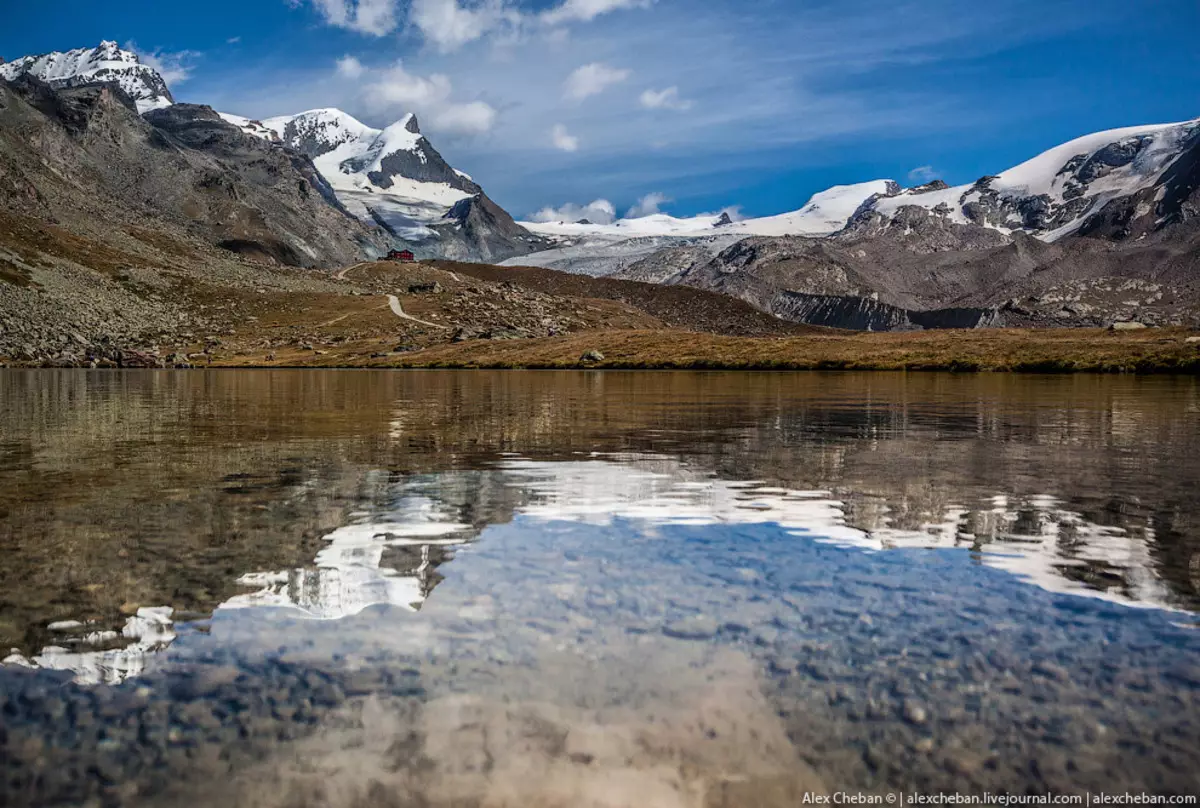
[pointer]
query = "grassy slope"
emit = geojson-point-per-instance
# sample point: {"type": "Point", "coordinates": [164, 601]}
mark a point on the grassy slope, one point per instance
{"type": "Point", "coordinates": [1149, 351]}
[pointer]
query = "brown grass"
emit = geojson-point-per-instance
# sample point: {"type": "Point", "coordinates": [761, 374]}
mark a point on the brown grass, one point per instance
{"type": "Point", "coordinates": [680, 307]}
{"type": "Point", "coordinates": [1028, 350]}
{"type": "Point", "coordinates": [32, 239]}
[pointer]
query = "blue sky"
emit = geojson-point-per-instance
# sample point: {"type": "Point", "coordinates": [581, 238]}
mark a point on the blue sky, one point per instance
{"type": "Point", "coordinates": [704, 103]}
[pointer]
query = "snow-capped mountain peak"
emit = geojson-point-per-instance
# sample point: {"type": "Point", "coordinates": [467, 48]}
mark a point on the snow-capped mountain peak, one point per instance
{"type": "Point", "coordinates": [107, 62]}
{"type": "Point", "coordinates": [1056, 193]}
{"type": "Point", "coordinates": [391, 176]}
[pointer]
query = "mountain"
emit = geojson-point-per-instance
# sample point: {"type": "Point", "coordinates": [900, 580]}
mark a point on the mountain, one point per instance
{"type": "Point", "coordinates": [392, 179]}
{"type": "Point", "coordinates": [118, 230]}
{"type": "Point", "coordinates": [83, 156]}
{"type": "Point", "coordinates": [826, 212]}
{"type": "Point", "coordinates": [1123, 182]}
{"type": "Point", "coordinates": [105, 63]}
{"type": "Point", "coordinates": [395, 178]}
{"type": "Point", "coordinates": [1103, 228]}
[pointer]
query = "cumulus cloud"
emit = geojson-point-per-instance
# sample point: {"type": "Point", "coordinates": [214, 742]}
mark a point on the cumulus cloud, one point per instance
{"type": "Point", "coordinates": [600, 211]}
{"type": "Point", "coordinates": [472, 118]}
{"type": "Point", "coordinates": [563, 139]}
{"type": "Point", "coordinates": [587, 10]}
{"type": "Point", "coordinates": [648, 205]}
{"type": "Point", "coordinates": [373, 17]}
{"type": "Point", "coordinates": [449, 25]}
{"type": "Point", "coordinates": [350, 68]}
{"type": "Point", "coordinates": [394, 90]}
{"type": "Point", "coordinates": [664, 99]}
{"type": "Point", "coordinates": [175, 68]}
{"type": "Point", "coordinates": [592, 79]}
{"type": "Point", "coordinates": [924, 174]}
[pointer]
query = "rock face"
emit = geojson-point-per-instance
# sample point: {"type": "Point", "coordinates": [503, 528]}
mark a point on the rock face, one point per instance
{"type": "Point", "coordinates": [867, 314]}
{"type": "Point", "coordinates": [181, 166]}
{"type": "Point", "coordinates": [106, 63]}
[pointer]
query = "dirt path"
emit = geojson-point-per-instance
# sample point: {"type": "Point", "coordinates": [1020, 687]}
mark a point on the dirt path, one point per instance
{"type": "Point", "coordinates": [341, 275]}
{"type": "Point", "coordinates": [393, 301]}
{"type": "Point", "coordinates": [399, 311]}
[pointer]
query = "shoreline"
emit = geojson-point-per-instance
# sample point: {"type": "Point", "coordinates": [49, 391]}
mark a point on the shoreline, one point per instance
{"type": "Point", "coordinates": [1096, 351]}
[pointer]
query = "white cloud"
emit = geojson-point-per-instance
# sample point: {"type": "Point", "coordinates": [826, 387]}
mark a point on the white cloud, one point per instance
{"type": "Point", "coordinates": [395, 91]}
{"type": "Point", "coordinates": [648, 205]}
{"type": "Point", "coordinates": [592, 79]}
{"type": "Point", "coordinates": [233, 40]}
{"type": "Point", "coordinates": [924, 174]}
{"type": "Point", "coordinates": [374, 17]}
{"type": "Point", "coordinates": [664, 99]}
{"type": "Point", "coordinates": [175, 68]}
{"type": "Point", "coordinates": [563, 139]}
{"type": "Point", "coordinates": [600, 211]}
{"type": "Point", "coordinates": [350, 68]}
{"type": "Point", "coordinates": [450, 25]}
{"type": "Point", "coordinates": [472, 118]}
{"type": "Point", "coordinates": [587, 10]}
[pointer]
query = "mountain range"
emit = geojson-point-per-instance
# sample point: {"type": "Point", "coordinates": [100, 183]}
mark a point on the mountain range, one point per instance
{"type": "Point", "coordinates": [1099, 229]}
{"type": "Point", "coordinates": [392, 180]}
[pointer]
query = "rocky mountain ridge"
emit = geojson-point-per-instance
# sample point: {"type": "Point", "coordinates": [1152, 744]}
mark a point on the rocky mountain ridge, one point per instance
{"type": "Point", "coordinates": [1102, 229]}
{"type": "Point", "coordinates": [392, 180]}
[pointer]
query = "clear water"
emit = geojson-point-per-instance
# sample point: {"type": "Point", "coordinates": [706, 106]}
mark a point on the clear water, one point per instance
{"type": "Point", "coordinates": [646, 589]}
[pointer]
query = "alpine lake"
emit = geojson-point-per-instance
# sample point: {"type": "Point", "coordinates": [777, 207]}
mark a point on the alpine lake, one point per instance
{"type": "Point", "coordinates": [518, 588]}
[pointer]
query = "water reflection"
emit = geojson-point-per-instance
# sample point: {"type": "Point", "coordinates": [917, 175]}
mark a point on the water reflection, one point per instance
{"type": "Point", "coordinates": [101, 656]}
{"type": "Point", "coordinates": [902, 581]}
{"type": "Point", "coordinates": [391, 556]}
{"type": "Point", "coordinates": [350, 573]}
{"type": "Point", "coordinates": [330, 492]}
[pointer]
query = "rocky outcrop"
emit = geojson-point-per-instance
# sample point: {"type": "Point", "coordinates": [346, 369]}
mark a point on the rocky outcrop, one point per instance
{"type": "Point", "coordinates": [477, 228]}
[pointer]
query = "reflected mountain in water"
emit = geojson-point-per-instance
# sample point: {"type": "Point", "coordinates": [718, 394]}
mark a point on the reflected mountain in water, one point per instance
{"type": "Point", "coordinates": [350, 573]}
{"type": "Point", "coordinates": [327, 493]}
{"type": "Point", "coordinates": [102, 656]}
{"type": "Point", "coordinates": [1033, 537]}
{"type": "Point", "coordinates": [392, 557]}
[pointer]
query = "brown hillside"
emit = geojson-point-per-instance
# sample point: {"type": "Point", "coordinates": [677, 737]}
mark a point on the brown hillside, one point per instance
{"type": "Point", "coordinates": [679, 307]}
